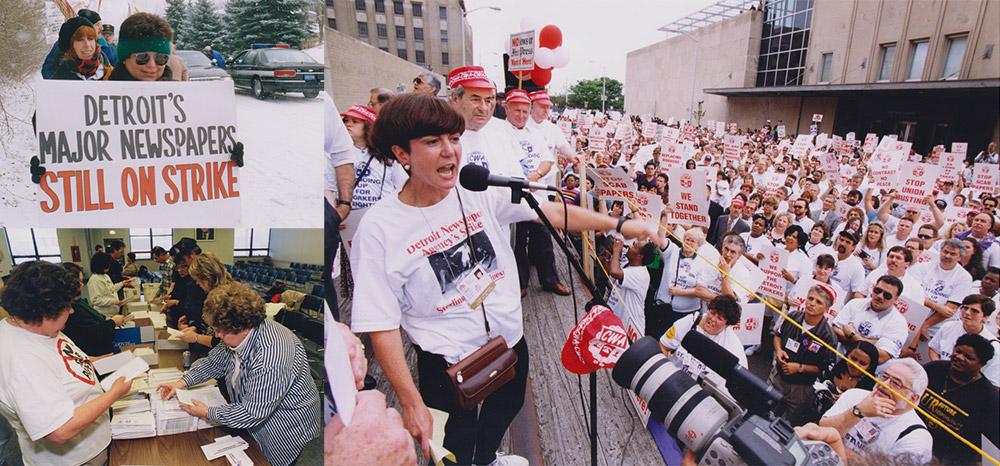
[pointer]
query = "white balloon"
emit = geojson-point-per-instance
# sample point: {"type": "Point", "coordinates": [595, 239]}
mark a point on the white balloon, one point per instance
{"type": "Point", "coordinates": [561, 57]}
{"type": "Point", "coordinates": [544, 58]}
{"type": "Point", "coordinates": [528, 24]}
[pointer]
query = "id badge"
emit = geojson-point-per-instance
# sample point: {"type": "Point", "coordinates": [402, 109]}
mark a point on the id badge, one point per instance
{"type": "Point", "coordinates": [476, 286]}
{"type": "Point", "coordinates": [792, 346]}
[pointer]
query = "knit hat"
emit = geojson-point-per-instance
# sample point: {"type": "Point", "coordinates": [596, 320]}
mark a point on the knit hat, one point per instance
{"type": "Point", "coordinates": [131, 41]}
{"type": "Point", "coordinates": [69, 28]}
{"type": "Point", "coordinates": [89, 15]}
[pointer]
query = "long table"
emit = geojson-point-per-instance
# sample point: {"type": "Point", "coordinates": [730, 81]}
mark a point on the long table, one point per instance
{"type": "Point", "coordinates": [178, 449]}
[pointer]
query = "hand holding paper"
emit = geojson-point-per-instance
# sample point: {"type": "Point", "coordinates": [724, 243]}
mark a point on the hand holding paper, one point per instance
{"type": "Point", "coordinates": [129, 371]}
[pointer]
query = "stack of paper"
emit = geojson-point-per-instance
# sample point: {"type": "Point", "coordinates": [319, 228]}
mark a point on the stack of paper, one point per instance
{"type": "Point", "coordinates": [130, 370]}
{"type": "Point", "coordinates": [170, 418]}
{"type": "Point", "coordinates": [132, 418]}
{"type": "Point", "coordinates": [210, 396]}
{"type": "Point", "coordinates": [230, 447]}
{"type": "Point", "coordinates": [148, 355]}
{"type": "Point", "coordinates": [175, 335]}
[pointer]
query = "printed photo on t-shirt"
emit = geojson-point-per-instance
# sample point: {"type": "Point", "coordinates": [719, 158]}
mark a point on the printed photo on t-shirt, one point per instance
{"type": "Point", "coordinates": [453, 264]}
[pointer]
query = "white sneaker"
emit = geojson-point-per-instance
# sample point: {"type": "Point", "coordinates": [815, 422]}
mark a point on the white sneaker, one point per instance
{"type": "Point", "coordinates": [509, 460]}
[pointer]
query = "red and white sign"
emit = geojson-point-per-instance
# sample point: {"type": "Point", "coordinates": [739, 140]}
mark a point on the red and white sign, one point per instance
{"type": "Point", "coordinates": [649, 129]}
{"type": "Point", "coordinates": [985, 178]}
{"type": "Point", "coordinates": [775, 260]}
{"type": "Point", "coordinates": [915, 314]}
{"type": "Point", "coordinates": [802, 143]}
{"type": "Point", "coordinates": [884, 164]}
{"type": "Point", "coordinates": [598, 139]}
{"type": "Point", "coordinates": [612, 183]}
{"type": "Point", "coordinates": [773, 181]}
{"type": "Point", "coordinates": [960, 148]}
{"type": "Point", "coordinates": [951, 165]}
{"type": "Point", "coordinates": [720, 128]}
{"type": "Point", "coordinates": [671, 134]}
{"type": "Point", "coordinates": [751, 324]}
{"type": "Point", "coordinates": [733, 143]}
{"type": "Point", "coordinates": [871, 141]}
{"type": "Point", "coordinates": [522, 51]}
{"type": "Point", "coordinates": [953, 215]}
{"type": "Point", "coordinates": [916, 182]}
{"type": "Point", "coordinates": [688, 197]}
{"type": "Point", "coordinates": [648, 206]}
{"type": "Point", "coordinates": [671, 155]}
{"type": "Point", "coordinates": [829, 162]}
{"type": "Point", "coordinates": [566, 127]}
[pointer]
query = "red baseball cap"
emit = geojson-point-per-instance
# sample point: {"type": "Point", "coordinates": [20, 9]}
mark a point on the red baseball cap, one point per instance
{"type": "Point", "coordinates": [597, 341]}
{"type": "Point", "coordinates": [361, 112]}
{"type": "Point", "coordinates": [540, 96]}
{"type": "Point", "coordinates": [517, 96]}
{"type": "Point", "coordinates": [469, 76]}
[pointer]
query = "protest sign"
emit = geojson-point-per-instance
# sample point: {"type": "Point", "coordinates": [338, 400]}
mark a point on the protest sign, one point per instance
{"type": "Point", "coordinates": [746, 274]}
{"type": "Point", "coordinates": [649, 129]}
{"type": "Point", "coordinates": [647, 206]}
{"type": "Point", "coordinates": [711, 173]}
{"type": "Point", "coordinates": [671, 155]}
{"type": "Point", "coordinates": [950, 163]}
{"type": "Point", "coordinates": [732, 146]}
{"type": "Point", "coordinates": [775, 260]}
{"type": "Point", "coordinates": [822, 140]}
{"type": "Point", "coordinates": [916, 182]}
{"type": "Point", "coordinates": [566, 127]}
{"type": "Point", "coordinates": [671, 134]}
{"type": "Point", "coordinates": [829, 162]}
{"type": "Point", "coordinates": [720, 128]}
{"type": "Point", "coordinates": [149, 154]}
{"type": "Point", "coordinates": [522, 51]}
{"type": "Point", "coordinates": [871, 140]}
{"type": "Point", "coordinates": [612, 183]}
{"type": "Point", "coordinates": [802, 143]}
{"type": "Point", "coordinates": [985, 178]}
{"type": "Point", "coordinates": [915, 314]}
{"type": "Point", "coordinates": [953, 214]}
{"type": "Point", "coordinates": [751, 324]}
{"type": "Point", "coordinates": [773, 181]}
{"type": "Point", "coordinates": [688, 197]}
{"type": "Point", "coordinates": [960, 148]}
{"type": "Point", "coordinates": [780, 130]}
{"type": "Point", "coordinates": [598, 139]}
{"type": "Point", "coordinates": [884, 164]}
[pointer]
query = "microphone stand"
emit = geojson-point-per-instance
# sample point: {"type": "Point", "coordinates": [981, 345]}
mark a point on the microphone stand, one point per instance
{"type": "Point", "coordinates": [516, 194]}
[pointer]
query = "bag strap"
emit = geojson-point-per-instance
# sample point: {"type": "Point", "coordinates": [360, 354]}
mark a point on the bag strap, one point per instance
{"type": "Point", "coordinates": [472, 253]}
{"type": "Point", "coordinates": [360, 175]}
{"type": "Point", "coordinates": [909, 430]}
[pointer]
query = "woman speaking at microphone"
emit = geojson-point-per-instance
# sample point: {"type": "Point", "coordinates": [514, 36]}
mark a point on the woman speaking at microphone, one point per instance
{"type": "Point", "coordinates": [434, 260]}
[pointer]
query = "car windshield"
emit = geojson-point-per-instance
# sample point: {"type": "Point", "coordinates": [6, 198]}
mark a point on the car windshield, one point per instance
{"type": "Point", "coordinates": [194, 59]}
{"type": "Point", "coordinates": [276, 56]}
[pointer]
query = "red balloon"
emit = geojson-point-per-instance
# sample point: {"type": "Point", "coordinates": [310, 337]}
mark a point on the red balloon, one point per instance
{"type": "Point", "coordinates": [541, 77]}
{"type": "Point", "coordinates": [550, 37]}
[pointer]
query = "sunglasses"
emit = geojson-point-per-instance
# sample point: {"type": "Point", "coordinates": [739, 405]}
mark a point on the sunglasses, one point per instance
{"type": "Point", "coordinates": [885, 294]}
{"type": "Point", "coordinates": [418, 81]}
{"type": "Point", "coordinates": [142, 58]}
{"type": "Point", "coordinates": [924, 237]}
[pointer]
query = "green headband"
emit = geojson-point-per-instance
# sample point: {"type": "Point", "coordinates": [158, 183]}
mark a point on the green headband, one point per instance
{"type": "Point", "coordinates": [128, 46]}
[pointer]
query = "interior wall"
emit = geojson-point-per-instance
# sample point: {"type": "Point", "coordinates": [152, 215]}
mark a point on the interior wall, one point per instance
{"type": "Point", "coordinates": [296, 245]}
{"type": "Point", "coordinates": [222, 246]}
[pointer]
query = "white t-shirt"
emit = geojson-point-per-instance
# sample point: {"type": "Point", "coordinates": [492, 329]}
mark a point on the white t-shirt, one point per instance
{"type": "Point", "coordinates": [408, 263]}
{"type": "Point", "coordinates": [943, 342]}
{"type": "Point", "coordinates": [534, 152]}
{"type": "Point", "coordinates": [941, 286]}
{"type": "Point", "coordinates": [632, 288]}
{"type": "Point", "coordinates": [849, 274]}
{"type": "Point", "coordinates": [337, 143]}
{"type": "Point", "coordinates": [378, 180]}
{"type": "Point", "coordinates": [881, 435]}
{"type": "Point", "coordinates": [806, 223]}
{"type": "Point", "coordinates": [494, 148]}
{"type": "Point", "coordinates": [912, 289]}
{"type": "Point", "coordinates": [798, 265]}
{"type": "Point", "coordinates": [680, 272]}
{"type": "Point", "coordinates": [44, 380]}
{"type": "Point", "coordinates": [888, 327]}
{"type": "Point", "coordinates": [727, 338]}
{"type": "Point", "coordinates": [756, 245]}
{"type": "Point", "coordinates": [816, 250]}
{"type": "Point", "coordinates": [554, 137]}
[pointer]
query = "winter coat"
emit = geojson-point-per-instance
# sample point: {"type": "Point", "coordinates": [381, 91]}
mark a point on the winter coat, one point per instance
{"type": "Point", "coordinates": [67, 70]}
{"type": "Point", "coordinates": [220, 61]}
{"type": "Point", "coordinates": [53, 59]}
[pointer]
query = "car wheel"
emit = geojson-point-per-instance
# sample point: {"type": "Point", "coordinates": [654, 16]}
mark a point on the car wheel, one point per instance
{"type": "Point", "coordinates": [310, 94]}
{"type": "Point", "coordinates": [258, 88]}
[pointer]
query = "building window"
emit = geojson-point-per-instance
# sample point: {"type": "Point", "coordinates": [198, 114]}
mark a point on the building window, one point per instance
{"type": "Point", "coordinates": [784, 41]}
{"type": "Point", "coordinates": [418, 9]}
{"type": "Point", "coordinates": [382, 31]}
{"type": "Point", "coordinates": [331, 23]}
{"type": "Point", "coordinates": [397, 7]}
{"type": "Point", "coordinates": [359, 5]}
{"type": "Point", "coordinates": [362, 30]}
{"type": "Point", "coordinates": [251, 242]}
{"type": "Point", "coordinates": [420, 56]}
{"type": "Point", "coordinates": [400, 32]}
{"type": "Point", "coordinates": [401, 52]}
{"type": "Point", "coordinates": [442, 12]}
{"type": "Point", "coordinates": [826, 68]}
{"type": "Point", "coordinates": [444, 36]}
{"type": "Point", "coordinates": [444, 58]}
{"type": "Point", "coordinates": [143, 240]}
{"type": "Point", "coordinates": [33, 244]}
{"type": "Point", "coordinates": [380, 6]}
{"type": "Point", "coordinates": [953, 60]}
{"type": "Point", "coordinates": [918, 55]}
{"type": "Point", "coordinates": [888, 56]}
{"type": "Point", "coordinates": [418, 33]}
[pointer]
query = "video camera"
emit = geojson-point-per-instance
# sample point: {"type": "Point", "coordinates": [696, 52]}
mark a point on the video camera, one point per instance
{"type": "Point", "coordinates": [705, 418]}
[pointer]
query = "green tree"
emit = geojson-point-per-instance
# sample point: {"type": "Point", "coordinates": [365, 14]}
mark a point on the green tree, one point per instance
{"type": "Point", "coordinates": [204, 26]}
{"type": "Point", "coordinates": [177, 16]}
{"type": "Point", "coordinates": [267, 21]}
{"type": "Point", "coordinates": [587, 94]}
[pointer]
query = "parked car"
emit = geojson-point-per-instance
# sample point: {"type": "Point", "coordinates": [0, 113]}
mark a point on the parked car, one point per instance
{"type": "Point", "coordinates": [278, 69]}
{"type": "Point", "coordinates": [200, 68]}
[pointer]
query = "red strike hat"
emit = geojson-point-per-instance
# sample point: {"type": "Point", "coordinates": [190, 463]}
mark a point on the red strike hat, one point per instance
{"type": "Point", "coordinates": [517, 96]}
{"type": "Point", "coordinates": [597, 341]}
{"type": "Point", "coordinates": [469, 76]}
{"type": "Point", "coordinates": [361, 112]}
{"type": "Point", "coordinates": [540, 96]}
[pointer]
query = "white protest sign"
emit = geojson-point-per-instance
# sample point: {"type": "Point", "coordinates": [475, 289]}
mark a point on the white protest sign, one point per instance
{"type": "Point", "coordinates": [780, 130]}
{"type": "Point", "coordinates": [751, 324]}
{"type": "Point", "coordinates": [151, 154]}
{"type": "Point", "coordinates": [916, 182]}
{"type": "Point", "coordinates": [950, 163]}
{"type": "Point", "coordinates": [598, 139]}
{"type": "Point", "coordinates": [953, 215]}
{"type": "Point", "coordinates": [915, 314]}
{"type": "Point", "coordinates": [648, 129]}
{"type": "Point", "coordinates": [612, 183]}
{"type": "Point", "coordinates": [773, 181]}
{"type": "Point", "coordinates": [720, 128]}
{"type": "Point", "coordinates": [522, 51]}
{"type": "Point", "coordinates": [985, 178]}
{"type": "Point", "coordinates": [732, 146]}
{"type": "Point", "coordinates": [775, 260]}
{"type": "Point", "coordinates": [884, 164]}
{"type": "Point", "coordinates": [802, 143]}
{"type": "Point", "coordinates": [671, 134]}
{"type": "Point", "coordinates": [671, 155]}
{"type": "Point", "coordinates": [648, 206]}
{"type": "Point", "coordinates": [817, 118]}
{"type": "Point", "coordinates": [871, 140]}
{"type": "Point", "coordinates": [566, 127]}
{"type": "Point", "coordinates": [960, 148]}
{"type": "Point", "coordinates": [822, 140]}
{"type": "Point", "coordinates": [688, 197]}
{"type": "Point", "coordinates": [744, 272]}
{"type": "Point", "coordinates": [711, 173]}
{"type": "Point", "coordinates": [829, 162]}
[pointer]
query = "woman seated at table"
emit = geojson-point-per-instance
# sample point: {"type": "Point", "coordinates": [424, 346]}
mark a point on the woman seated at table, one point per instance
{"type": "Point", "coordinates": [273, 394]}
{"type": "Point", "coordinates": [93, 332]}
{"type": "Point", "coordinates": [207, 273]}
{"type": "Point", "coordinates": [49, 392]}
{"type": "Point", "coordinates": [104, 292]}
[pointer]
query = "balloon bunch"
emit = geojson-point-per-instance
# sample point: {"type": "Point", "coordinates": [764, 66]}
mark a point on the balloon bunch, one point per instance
{"type": "Point", "coordinates": [549, 53]}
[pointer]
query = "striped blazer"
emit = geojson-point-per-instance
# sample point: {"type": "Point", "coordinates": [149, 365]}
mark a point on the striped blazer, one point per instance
{"type": "Point", "coordinates": [275, 399]}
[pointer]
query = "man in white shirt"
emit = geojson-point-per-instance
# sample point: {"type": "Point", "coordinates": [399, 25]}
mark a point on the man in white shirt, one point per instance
{"type": "Point", "coordinates": [541, 105]}
{"type": "Point", "coordinates": [875, 320]}
{"type": "Point", "coordinates": [945, 284]}
{"type": "Point", "coordinates": [897, 262]}
{"type": "Point", "coordinates": [904, 229]}
{"type": "Point", "coordinates": [485, 142]}
{"type": "Point", "coordinates": [339, 174]}
{"type": "Point", "coordinates": [800, 208]}
{"type": "Point", "coordinates": [849, 273]}
{"type": "Point", "coordinates": [877, 421]}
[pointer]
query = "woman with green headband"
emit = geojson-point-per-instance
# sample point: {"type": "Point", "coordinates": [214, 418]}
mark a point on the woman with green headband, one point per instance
{"type": "Point", "coordinates": [144, 47]}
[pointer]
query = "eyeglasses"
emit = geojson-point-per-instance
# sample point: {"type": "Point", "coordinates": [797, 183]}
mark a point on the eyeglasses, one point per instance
{"type": "Point", "coordinates": [924, 237]}
{"type": "Point", "coordinates": [417, 81]}
{"type": "Point", "coordinates": [142, 58]}
{"type": "Point", "coordinates": [895, 384]}
{"type": "Point", "coordinates": [885, 294]}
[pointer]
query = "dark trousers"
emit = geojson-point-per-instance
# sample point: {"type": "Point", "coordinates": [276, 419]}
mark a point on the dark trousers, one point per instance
{"type": "Point", "coordinates": [473, 436]}
{"type": "Point", "coordinates": [331, 244]}
{"type": "Point", "coordinates": [533, 247]}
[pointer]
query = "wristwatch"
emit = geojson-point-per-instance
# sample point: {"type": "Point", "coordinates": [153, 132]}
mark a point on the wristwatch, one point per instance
{"type": "Point", "coordinates": [857, 412]}
{"type": "Point", "coordinates": [343, 202]}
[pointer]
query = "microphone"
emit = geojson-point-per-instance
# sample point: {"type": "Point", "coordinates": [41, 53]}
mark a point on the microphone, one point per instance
{"type": "Point", "coordinates": [476, 178]}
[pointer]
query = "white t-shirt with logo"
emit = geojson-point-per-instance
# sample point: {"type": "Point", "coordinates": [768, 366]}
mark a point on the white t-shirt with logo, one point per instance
{"type": "Point", "coordinates": [409, 262]}
{"type": "Point", "coordinates": [887, 327]}
{"type": "Point", "coordinates": [375, 180]}
{"type": "Point", "coordinates": [532, 154]}
{"type": "Point", "coordinates": [912, 289]}
{"type": "Point", "coordinates": [727, 338]}
{"type": "Point", "coordinates": [849, 274]}
{"type": "Point", "coordinates": [44, 380]}
{"type": "Point", "coordinates": [941, 286]}
{"type": "Point", "coordinates": [943, 342]}
{"type": "Point", "coordinates": [554, 137]}
{"type": "Point", "coordinates": [629, 299]}
{"type": "Point", "coordinates": [881, 435]}
{"type": "Point", "coordinates": [492, 147]}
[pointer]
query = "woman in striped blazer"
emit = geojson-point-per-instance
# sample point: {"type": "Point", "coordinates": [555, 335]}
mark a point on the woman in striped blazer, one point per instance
{"type": "Point", "coordinates": [272, 394]}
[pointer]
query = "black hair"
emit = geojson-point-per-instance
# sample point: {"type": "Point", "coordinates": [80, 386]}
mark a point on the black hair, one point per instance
{"type": "Point", "coordinates": [727, 307]}
{"type": "Point", "coordinates": [158, 251]}
{"type": "Point", "coordinates": [412, 116]}
{"type": "Point", "coordinates": [796, 230]}
{"type": "Point", "coordinates": [131, 255]}
{"type": "Point", "coordinates": [115, 245]}
{"type": "Point", "coordinates": [826, 261]}
{"type": "Point", "coordinates": [39, 290]}
{"type": "Point", "coordinates": [890, 280]}
{"type": "Point", "coordinates": [907, 254]}
{"type": "Point", "coordinates": [982, 347]}
{"type": "Point", "coordinates": [983, 301]}
{"type": "Point", "coordinates": [101, 262]}
{"type": "Point", "coordinates": [648, 253]}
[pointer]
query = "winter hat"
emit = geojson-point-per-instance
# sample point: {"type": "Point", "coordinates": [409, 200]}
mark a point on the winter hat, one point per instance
{"type": "Point", "coordinates": [144, 32]}
{"type": "Point", "coordinates": [69, 28]}
{"type": "Point", "coordinates": [89, 15]}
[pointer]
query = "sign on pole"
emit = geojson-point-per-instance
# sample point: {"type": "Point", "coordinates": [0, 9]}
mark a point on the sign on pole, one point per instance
{"type": "Point", "coordinates": [522, 51]}
{"type": "Point", "coordinates": [141, 153]}
{"type": "Point", "coordinates": [688, 197]}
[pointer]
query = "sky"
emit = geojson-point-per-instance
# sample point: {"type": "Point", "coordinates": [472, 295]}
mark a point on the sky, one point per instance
{"type": "Point", "coordinates": [597, 33]}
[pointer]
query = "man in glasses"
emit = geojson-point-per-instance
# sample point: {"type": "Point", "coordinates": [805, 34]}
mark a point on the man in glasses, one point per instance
{"type": "Point", "coordinates": [879, 422]}
{"type": "Point", "coordinates": [874, 319]}
{"type": "Point", "coordinates": [426, 83]}
{"type": "Point", "coordinates": [144, 48]}
{"type": "Point", "coordinates": [897, 263]}
{"type": "Point", "coordinates": [800, 208]}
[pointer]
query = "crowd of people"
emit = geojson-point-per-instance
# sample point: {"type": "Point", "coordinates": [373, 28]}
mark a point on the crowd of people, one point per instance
{"type": "Point", "coordinates": [858, 259]}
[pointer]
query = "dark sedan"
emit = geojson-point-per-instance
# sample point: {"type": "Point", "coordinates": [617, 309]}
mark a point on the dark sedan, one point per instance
{"type": "Point", "coordinates": [270, 70]}
{"type": "Point", "coordinates": [200, 68]}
